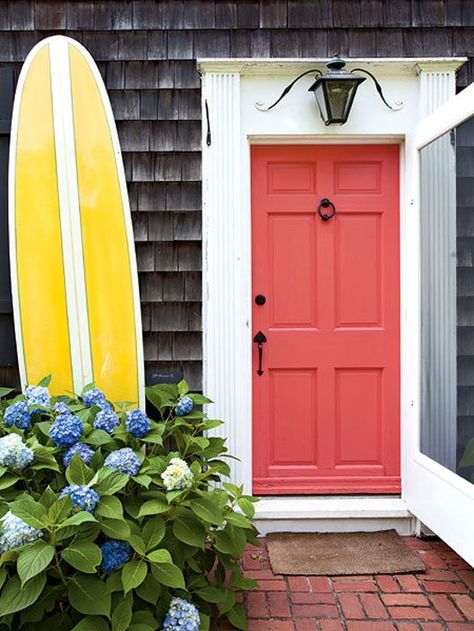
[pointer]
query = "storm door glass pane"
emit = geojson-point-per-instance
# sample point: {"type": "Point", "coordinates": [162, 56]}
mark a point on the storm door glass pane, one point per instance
{"type": "Point", "coordinates": [447, 299]}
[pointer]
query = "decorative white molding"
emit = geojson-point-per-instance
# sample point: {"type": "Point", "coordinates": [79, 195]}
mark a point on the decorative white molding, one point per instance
{"type": "Point", "coordinates": [229, 86]}
{"type": "Point", "coordinates": [437, 85]}
{"type": "Point", "coordinates": [396, 65]}
{"type": "Point", "coordinates": [225, 267]}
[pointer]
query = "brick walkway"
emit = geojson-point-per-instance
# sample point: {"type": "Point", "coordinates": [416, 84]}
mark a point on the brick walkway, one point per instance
{"type": "Point", "coordinates": [440, 599]}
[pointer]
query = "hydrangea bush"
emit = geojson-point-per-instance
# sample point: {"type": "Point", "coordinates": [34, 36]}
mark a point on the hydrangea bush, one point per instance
{"type": "Point", "coordinates": [111, 520]}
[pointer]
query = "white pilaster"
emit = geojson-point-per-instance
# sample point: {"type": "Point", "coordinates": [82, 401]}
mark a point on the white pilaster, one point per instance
{"type": "Point", "coordinates": [226, 273]}
{"type": "Point", "coordinates": [436, 86]}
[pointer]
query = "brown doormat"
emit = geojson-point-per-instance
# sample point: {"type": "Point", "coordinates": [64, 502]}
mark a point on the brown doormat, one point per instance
{"type": "Point", "coordinates": [345, 553]}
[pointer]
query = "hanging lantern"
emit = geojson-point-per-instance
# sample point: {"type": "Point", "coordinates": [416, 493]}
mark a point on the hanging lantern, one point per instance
{"type": "Point", "coordinates": [334, 91]}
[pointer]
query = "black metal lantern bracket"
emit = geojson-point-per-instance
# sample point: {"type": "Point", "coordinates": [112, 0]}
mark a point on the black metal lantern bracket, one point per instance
{"type": "Point", "coordinates": [333, 108]}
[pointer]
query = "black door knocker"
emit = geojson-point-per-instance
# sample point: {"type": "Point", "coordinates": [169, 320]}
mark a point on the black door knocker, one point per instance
{"type": "Point", "coordinates": [325, 203]}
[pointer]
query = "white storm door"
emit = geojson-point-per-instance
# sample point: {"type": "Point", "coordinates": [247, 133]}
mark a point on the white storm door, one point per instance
{"type": "Point", "coordinates": [439, 480]}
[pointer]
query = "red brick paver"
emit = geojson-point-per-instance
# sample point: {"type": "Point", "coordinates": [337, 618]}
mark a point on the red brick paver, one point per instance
{"type": "Point", "coordinates": [440, 599]}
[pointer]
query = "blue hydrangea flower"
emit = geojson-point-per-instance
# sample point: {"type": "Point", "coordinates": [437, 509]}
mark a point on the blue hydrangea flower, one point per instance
{"type": "Point", "coordinates": [82, 497]}
{"type": "Point", "coordinates": [38, 395]}
{"type": "Point", "coordinates": [177, 476]}
{"type": "Point", "coordinates": [15, 533]}
{"type": "Point", "coordinates": [94, 396]}
{"type": "Point", "coordinates": [14, 453]}
{"type": "Point", "coordinates": [66, 430]}
{"type": "Point", "coordinates": [137, 423]}
{"type": "Point", "coordinates": [124, 460]}
{"type": "Point", "coordinates": [114, 554]}
{"type": "Point", "coordinates": [106, 419]}
{"type": "Point", "coordinates": [61, 408]}
{"type": "Point", "coordinates": [83, 451]}
{"type": "Point", "coordinates": [185, 406]}
{"type": "Point", "coordinates": [18, 414]}
{"type": "Point", "coordinates": [181, 616]}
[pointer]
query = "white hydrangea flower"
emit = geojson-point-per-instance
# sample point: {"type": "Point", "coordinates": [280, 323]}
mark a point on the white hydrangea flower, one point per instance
{"type": "Point", "coordinates": [14, 453]}
{"type": "Point", "coordinates": [15, 533]}
{"type": "Point", "coordinates": [177, 475]}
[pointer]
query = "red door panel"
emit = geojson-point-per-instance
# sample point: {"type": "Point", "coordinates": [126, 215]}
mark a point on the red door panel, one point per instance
{"type": "Point", "coordinates": [326, 408]}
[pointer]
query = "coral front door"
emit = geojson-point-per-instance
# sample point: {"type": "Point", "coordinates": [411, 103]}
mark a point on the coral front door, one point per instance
{"type": "Point", "coordinates": [326, 355]}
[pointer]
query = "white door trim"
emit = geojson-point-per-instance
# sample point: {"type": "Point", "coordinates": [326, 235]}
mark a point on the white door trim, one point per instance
{"type": "Point", "coordinates": [229, 88]}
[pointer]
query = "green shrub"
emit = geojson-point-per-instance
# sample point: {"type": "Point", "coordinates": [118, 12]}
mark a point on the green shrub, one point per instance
{"type": "Point", "coordinates": [110, 540]}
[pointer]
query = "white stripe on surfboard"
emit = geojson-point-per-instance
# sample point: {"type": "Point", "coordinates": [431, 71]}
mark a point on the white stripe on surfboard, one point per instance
{"type": "Point", "coordinates": [73, 262]}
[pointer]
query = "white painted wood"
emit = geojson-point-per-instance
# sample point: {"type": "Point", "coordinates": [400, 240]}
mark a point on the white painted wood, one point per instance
{"type": "Point", "coordinates": [438, 497]}
{"type": "Point", "coordinates": [438, 250]}
{"type": "Point", "coordinates": [226, 288]}
{"type": "Point", "coordinates": [227, 350]}
{"type": "Point", "coordinates": [333, 514]}
{"type": "Point", "coordinates": [265, 66]}
{"type": "Point", "coordinates": [445, 117]}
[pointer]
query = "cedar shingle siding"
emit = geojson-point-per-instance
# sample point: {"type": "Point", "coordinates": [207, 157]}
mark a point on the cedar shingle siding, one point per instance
{"type": "Point", "coordinates": [146, 53]}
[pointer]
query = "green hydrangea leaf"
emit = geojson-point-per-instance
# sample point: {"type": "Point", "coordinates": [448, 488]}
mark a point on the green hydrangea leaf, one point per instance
{"type": "Point", "coordinates": [92, 623]}
{"type": "Point", "coordinates": [31, 512]}
{"type": "Point", "coordinates": [33, 559]}
{"type": "Point", "coordinates": [84, 556]}
{"type": "Point", "coordinates": [160, 556]}
{"type": "Point", "coordinates": [122, 615]}
{"type": "Point", "coordinates": [149, 590]}
{"type": "Point", "coordinates": [110, 506]}
{"type": "Point", "coordinates": [78, 472]}
{"type": "Point", "coordinates": [189, 530]}
{"type": "Point", "coordinates": [115, 528]}
{"type": "Point", "coordinates": [208, 510]}
{"type": "Point", "coordinates": [97, 438]}
{"type": "Point", "coordinates": [133, 574]}
{"type": "Point", "coordinates": [169, 575]}
{"type": "Point", "coordinates": [60, 510]}
{"type": "Point", "coordinates": [110, 481]}
{"type": "Point", "coordinates": [77, 519]}
{"type": "Point", "coordinates": [89, 595]}
{"type": "Point", "coordinates": [7, 481]}
{"type": "Point", "coordinates": [211, 594]}
{"type": "Point", "coordinates": [153, 507]}
{"type": "Point", "coordinates": [14, 597]}
{"type": "Point", "coordinates": [238, 617]}
{"type": "Point", "coordinates": [153, 532]}
{"type": "Point", "coordinates": [247, 507]}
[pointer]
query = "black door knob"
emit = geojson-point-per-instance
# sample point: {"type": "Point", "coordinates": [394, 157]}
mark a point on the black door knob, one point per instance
{"type": "Point", "coordinates": [260, 300]}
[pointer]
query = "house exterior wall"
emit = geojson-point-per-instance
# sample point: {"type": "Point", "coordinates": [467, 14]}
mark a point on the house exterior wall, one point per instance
{"type": "Point", "coordinates": [146, 52]}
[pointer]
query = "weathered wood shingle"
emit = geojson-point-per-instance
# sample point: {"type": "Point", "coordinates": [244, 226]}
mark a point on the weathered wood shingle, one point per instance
{"type": "Point", "coordinates": [146, 52]}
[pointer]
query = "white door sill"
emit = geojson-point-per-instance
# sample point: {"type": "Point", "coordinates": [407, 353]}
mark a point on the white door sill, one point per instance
{"type": "Point", "coordinates": [333, 514]}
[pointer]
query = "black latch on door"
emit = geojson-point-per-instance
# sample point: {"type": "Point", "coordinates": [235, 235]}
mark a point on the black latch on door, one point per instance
{"type": "Point", "coordinates": [260, 339]}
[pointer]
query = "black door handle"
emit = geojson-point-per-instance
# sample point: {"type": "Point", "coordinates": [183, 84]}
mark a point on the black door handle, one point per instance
{"type": "Point", "coordinates": [260, 339]}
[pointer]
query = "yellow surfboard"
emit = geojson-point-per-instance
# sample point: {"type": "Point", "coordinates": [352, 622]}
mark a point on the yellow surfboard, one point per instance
{"type": "Point", "coordinates": [74, 273]}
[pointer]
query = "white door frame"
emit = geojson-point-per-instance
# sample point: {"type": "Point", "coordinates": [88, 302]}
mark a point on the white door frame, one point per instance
{"type": "Point", "coordinates": [230, 89]}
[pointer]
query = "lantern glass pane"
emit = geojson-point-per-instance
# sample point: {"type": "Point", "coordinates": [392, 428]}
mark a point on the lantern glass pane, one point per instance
{"type": "Point", "coordinates": [321, 100]}
{"type": "Point", "coordinates": [339, 97]}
